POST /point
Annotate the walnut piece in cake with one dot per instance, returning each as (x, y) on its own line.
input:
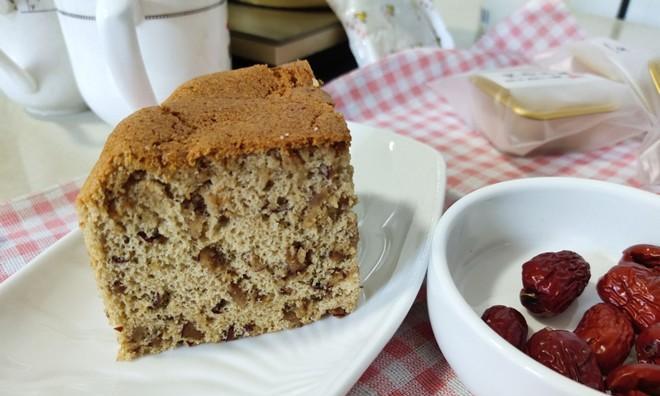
(224, 213)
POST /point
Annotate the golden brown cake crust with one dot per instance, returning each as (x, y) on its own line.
(221, 115)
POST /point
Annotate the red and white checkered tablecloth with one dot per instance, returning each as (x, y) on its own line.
(393, 94)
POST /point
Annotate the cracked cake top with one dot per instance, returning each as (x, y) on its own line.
(222, 115)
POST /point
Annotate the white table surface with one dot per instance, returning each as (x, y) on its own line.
(37, 153)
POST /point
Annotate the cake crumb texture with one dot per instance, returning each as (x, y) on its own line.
(224, 213)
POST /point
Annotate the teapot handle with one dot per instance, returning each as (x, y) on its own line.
(14, 78)
(116, 21)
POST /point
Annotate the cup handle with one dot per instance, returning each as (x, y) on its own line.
(116, 20)
(14, 78)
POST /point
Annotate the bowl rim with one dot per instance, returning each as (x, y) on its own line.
(447, 289)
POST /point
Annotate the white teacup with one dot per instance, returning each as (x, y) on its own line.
(34, 69)
(129, 54)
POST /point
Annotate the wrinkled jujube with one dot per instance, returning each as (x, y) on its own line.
(552, 281)
(608, 332)
(567, 354)
(635, 289)
(647, 345)
(641, 377)
(643, 254)
(508, 323)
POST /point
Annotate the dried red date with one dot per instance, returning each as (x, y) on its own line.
(567, 354)
(647, 345)
(635, 377)
(508, 323)
(552, 281)
(634, 289)
(646, 255)
(608, 332)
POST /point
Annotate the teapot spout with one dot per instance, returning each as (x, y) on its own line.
(14, 79)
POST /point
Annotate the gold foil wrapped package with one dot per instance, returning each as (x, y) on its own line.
(609, 59)
(531, 109)
(638, 68)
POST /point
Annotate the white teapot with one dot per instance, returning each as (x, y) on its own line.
(34, 69)
(129, 54)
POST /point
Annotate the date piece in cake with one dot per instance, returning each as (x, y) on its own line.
(224, 213)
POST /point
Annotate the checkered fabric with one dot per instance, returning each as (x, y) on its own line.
(393, 93)
(411, 363)
(31, 224)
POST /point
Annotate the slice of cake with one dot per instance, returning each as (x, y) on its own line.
(224, 213)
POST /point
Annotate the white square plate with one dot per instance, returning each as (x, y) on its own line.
(55, 339)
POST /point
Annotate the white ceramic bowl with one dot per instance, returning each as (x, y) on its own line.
(479, 246)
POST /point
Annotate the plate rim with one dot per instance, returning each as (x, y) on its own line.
(350, 377)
